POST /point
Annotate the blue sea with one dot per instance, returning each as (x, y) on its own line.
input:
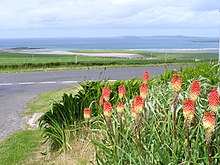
(122, 42)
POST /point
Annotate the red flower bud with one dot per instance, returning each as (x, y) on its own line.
(188, 110)
(209, 125)
(138, 104)
(107, 109)
(176, 82)
(143, 91)
(120, 108)
(121, 91)
(133, 112)
(101, 101)
(86, 113)
(195, 90)
(106, 93)
(214, 100)
(145, 77)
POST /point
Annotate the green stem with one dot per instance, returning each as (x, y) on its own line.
(145, 109)
(138, 125)
(216, 134)
(120, 131)
(175, 103)
(188, 140)
(110, 131)
(209, 153)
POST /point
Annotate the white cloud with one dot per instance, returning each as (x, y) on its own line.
(70, 14)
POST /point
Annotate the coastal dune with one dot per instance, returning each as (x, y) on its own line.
(65, 52)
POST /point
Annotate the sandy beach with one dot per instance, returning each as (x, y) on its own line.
(65, 52)
(117, 55)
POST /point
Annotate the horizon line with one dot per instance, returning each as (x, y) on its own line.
(57, 37)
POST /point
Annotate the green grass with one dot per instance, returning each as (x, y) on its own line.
(14, 62)
(19, 146)
(159, 55)
(43, 101)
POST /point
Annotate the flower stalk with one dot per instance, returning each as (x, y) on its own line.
(144, 94)
(209, 124)
(138, 106)
(176, 87)
(120, 111)
(107, 108)
(188, 113)
(213, 106)
(194, 94)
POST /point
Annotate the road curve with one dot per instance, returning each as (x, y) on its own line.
(16, 89)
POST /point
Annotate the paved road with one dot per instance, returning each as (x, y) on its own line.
(16, 89)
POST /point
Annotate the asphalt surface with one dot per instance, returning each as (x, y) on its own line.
(16, 89)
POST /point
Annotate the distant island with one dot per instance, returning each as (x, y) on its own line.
(206, 41)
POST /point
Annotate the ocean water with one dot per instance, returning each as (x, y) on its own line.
(123, 42)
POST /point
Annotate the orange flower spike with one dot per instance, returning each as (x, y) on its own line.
(138, 104)
(107, 109)
(195, 90)
(86, 113)
(214, 100)
(188, 110)
(120, 108)
(121, 91)
(101, 101)
(209, 125)
(133, 112)
(145, 77)
(176, 82)
(143, 91)
(106, 93)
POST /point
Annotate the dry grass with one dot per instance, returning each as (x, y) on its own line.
(82, 153)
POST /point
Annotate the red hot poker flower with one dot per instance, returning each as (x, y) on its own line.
(138, 104)
(176, 82)
(188, 110)
(133, 112)
(195, 90)
(209, 125)
(106, 93)
(120, 108)
(86, 113)
(107, 109)
(143, 91)
(145, 77)
(214, 100)
(101, 101)
(121, 91)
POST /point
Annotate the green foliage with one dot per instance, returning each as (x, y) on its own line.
(17, 147)
(59, 122)
(158, 144)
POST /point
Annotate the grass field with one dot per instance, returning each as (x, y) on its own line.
(19, 146)
(26, 146)
(10, 62)
(43, 102)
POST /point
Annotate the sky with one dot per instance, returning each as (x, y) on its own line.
(107, 18)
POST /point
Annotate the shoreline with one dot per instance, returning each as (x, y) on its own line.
(114, 52)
